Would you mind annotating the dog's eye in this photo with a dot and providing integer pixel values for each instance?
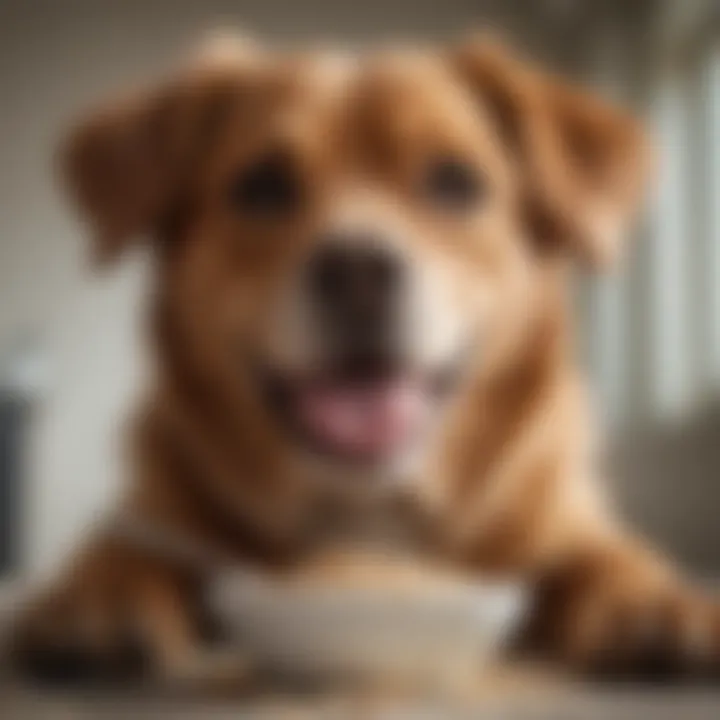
(268, 188)
(454, 184)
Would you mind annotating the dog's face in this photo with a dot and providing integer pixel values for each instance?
(344, 239)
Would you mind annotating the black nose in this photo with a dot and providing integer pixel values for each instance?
(356, 273)
(355, 284)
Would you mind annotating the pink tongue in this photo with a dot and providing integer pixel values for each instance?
(369, 420)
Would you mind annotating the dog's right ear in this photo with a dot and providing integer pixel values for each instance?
(583, 162)
(128, 163)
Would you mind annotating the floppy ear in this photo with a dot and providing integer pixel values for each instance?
(582, 162)
(128, 163)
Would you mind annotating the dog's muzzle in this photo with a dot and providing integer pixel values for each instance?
(364, 398)
(355, 288)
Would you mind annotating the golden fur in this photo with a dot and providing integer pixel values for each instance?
(509, 484)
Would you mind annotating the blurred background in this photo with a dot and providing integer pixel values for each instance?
(71, 359)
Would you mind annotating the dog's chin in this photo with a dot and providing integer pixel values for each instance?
(367, 421)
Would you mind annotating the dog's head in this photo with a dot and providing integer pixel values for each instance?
(346, 237)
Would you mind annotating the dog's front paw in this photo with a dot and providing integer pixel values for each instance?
(115, 615)
(65, 637)
(656, 635)
(630, 624)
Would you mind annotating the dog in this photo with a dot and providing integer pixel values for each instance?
(361, 271)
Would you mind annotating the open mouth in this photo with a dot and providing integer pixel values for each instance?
(365, 418)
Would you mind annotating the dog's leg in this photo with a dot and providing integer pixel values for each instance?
(117, 612)
(613, 608)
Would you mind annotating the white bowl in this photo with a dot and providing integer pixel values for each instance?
(391, 623)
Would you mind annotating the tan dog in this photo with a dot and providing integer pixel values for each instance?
(361, 273)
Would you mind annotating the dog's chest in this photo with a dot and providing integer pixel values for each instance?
(391, 521)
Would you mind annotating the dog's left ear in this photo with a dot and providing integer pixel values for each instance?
(129, 163)
(582, 162)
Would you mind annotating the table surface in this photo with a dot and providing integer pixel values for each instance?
(505, 692)
(499, 692)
